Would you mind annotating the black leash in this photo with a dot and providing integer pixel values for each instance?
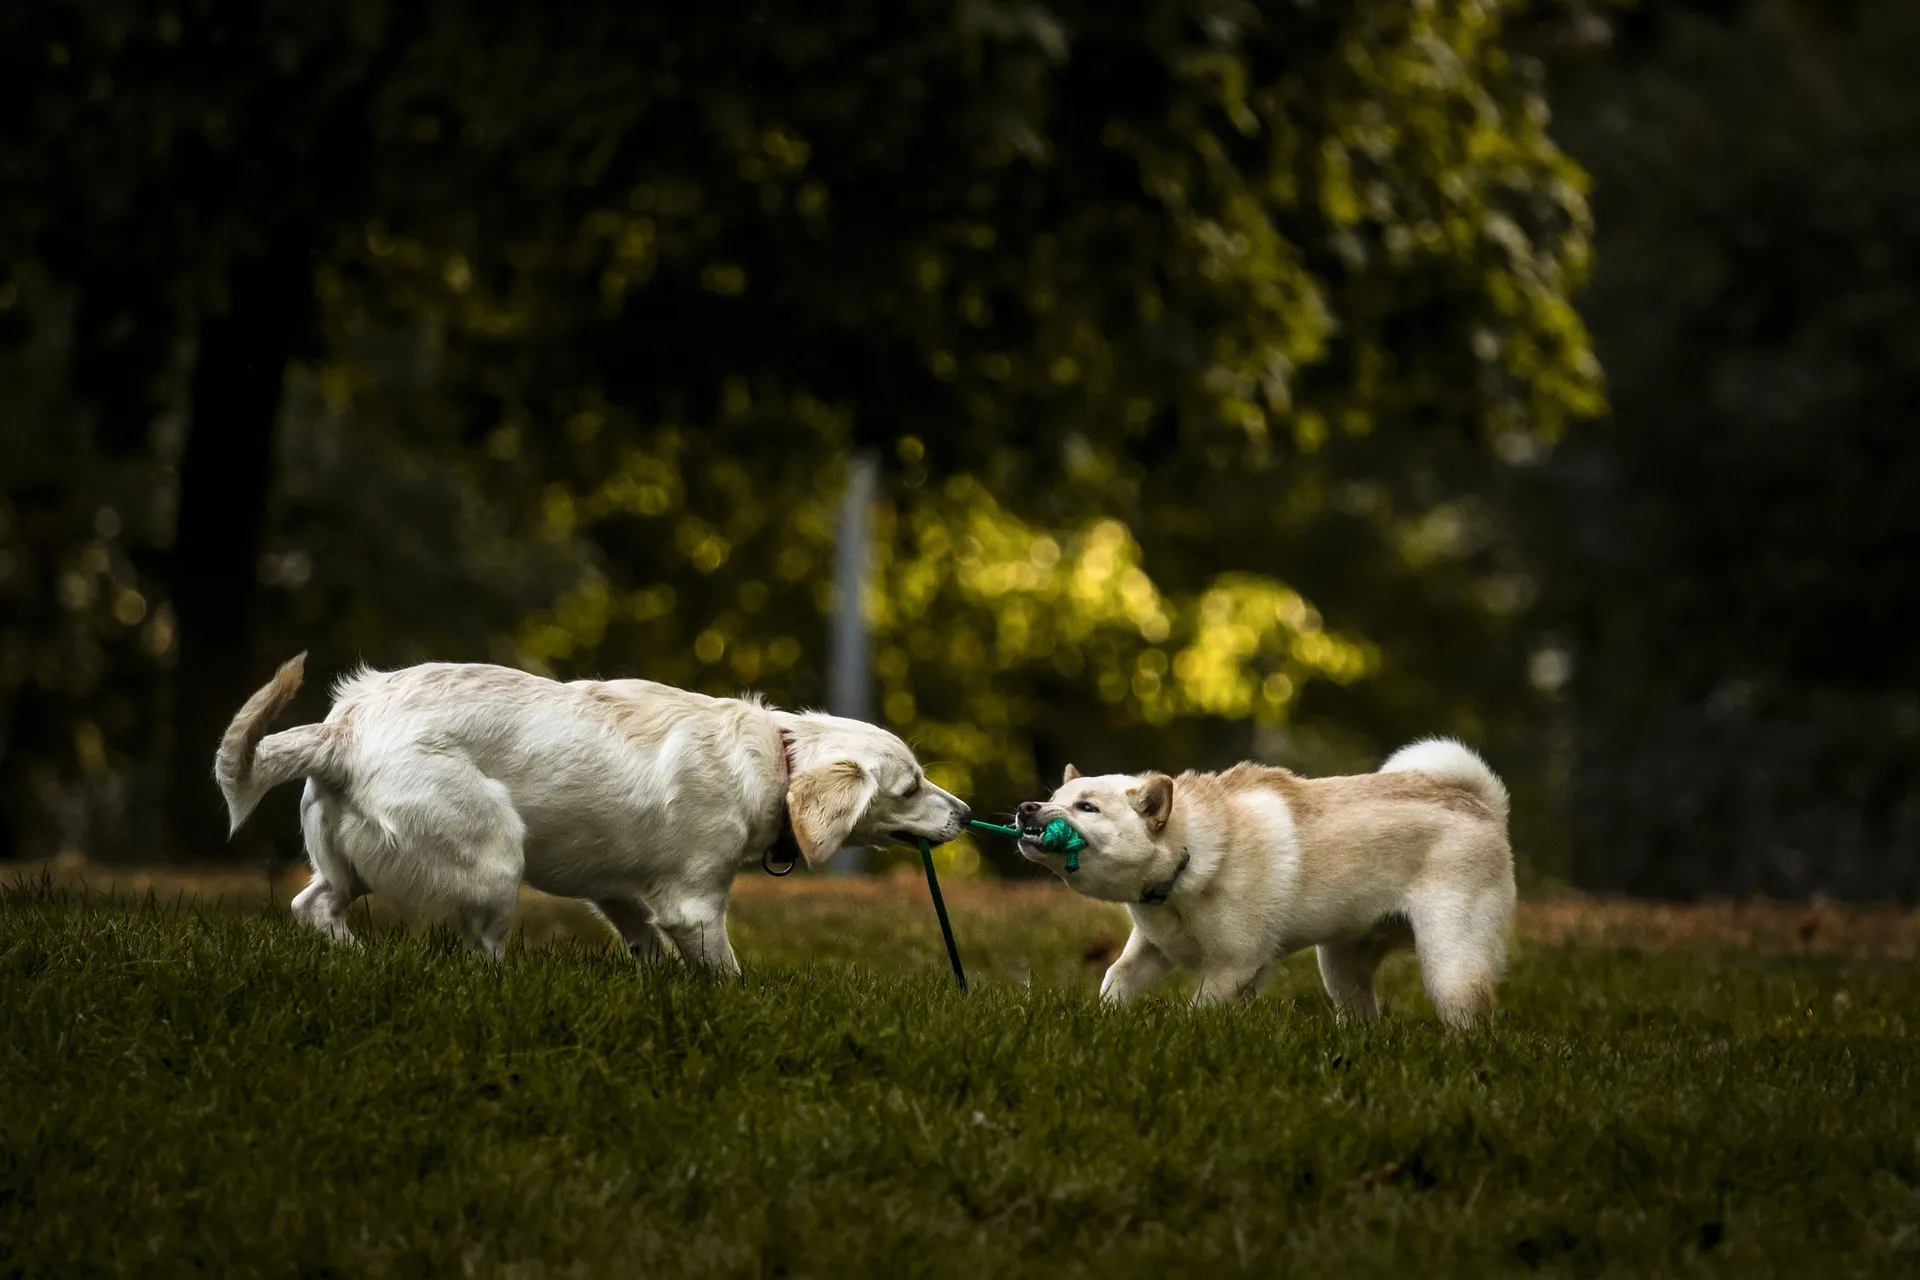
(940, 909)
(783, 855)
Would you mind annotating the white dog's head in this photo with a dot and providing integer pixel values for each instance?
(1121, 816)
(854, 783)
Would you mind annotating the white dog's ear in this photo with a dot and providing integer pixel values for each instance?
(1153, 798)
(825, 805)
(1069, 776)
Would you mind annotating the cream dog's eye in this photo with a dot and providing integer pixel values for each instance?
(913, 789)
(1085, 807)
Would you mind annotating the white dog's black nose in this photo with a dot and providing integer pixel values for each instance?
(965, 812)
(1029, 815)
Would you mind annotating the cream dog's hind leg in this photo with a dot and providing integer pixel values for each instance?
(1461, 941)
(1347, 968)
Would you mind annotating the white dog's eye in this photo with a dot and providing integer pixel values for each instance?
(1086, 807)
(913, 789)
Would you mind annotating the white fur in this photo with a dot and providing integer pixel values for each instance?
(1453, 760)
(449, 786)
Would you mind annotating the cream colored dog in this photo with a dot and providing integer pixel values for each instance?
(448, 786)
(1228, 872)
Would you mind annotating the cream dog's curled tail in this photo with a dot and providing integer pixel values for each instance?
(1455, 762)
(249, 763)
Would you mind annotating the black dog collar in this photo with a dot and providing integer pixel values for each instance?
(783, 855)
(1155, 894)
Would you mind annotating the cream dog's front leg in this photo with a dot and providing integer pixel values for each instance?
(1141, 964)
(1222, 982)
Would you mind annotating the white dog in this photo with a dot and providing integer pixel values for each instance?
(448, 786)
(1228, 872)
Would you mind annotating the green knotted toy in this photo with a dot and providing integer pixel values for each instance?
(1058, 837)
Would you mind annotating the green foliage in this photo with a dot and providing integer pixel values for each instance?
(228, 1093)
(1118, 296)
(1180, 328)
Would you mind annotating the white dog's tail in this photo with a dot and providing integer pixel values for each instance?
(249, 763)
(1453, 762)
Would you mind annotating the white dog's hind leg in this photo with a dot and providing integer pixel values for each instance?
(323, 904)
(488, 890)
(634, 920)
(444, 838)
(1139, 966)
(697, 923)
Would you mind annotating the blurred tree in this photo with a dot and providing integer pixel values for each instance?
(1194, 335)
(175, 173)
(1261, 286)
(1737, 550)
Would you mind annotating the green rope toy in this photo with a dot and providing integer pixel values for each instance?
(1058, 837)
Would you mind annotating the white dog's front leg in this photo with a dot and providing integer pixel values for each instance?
(698, 927)
(1141, 964)
(1224, 982)
(644, 939)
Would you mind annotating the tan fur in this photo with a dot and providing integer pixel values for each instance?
(244, 771)
(234, 763)
(1153, 800)
(824, 804)
(1357, 866)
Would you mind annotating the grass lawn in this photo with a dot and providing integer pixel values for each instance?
(194, 1085)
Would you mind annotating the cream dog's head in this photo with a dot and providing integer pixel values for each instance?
(854, 783)
(1121, 816)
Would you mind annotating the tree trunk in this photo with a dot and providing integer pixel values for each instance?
(225, 472)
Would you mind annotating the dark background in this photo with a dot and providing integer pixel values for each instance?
(1282, 380)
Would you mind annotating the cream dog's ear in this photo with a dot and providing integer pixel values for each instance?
(825, 804)
(1153, 798)
(1069, 776)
